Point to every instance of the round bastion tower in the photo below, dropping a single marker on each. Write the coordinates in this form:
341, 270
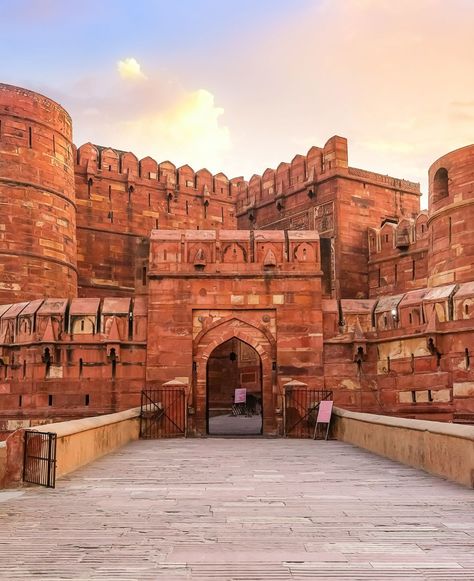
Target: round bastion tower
451, 221
37, 203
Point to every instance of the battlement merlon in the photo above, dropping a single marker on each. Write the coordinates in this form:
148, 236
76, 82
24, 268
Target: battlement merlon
95, 160
305, 172
234, 252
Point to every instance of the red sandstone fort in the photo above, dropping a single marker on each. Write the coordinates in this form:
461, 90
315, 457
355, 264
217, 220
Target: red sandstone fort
118, 274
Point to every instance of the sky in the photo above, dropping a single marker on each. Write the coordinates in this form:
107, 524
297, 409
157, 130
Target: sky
239, 85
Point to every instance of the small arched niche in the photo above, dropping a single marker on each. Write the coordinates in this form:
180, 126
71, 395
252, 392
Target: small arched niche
440, 185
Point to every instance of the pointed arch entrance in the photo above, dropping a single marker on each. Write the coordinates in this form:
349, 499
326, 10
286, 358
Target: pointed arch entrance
255, 337
234, 390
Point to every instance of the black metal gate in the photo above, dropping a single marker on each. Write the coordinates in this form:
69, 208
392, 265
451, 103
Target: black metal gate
301, 410
39, 461
163, 413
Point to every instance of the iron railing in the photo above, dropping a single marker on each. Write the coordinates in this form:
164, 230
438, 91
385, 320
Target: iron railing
163, 413
301, 409
39, 462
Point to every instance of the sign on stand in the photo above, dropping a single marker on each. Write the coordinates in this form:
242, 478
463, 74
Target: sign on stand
324, 417
240, 395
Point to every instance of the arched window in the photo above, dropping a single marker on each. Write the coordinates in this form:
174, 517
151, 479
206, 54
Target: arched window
440, 185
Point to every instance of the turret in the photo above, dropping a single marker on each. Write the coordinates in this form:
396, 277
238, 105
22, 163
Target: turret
38, 214
451, 217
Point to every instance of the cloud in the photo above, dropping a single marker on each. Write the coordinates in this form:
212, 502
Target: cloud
130, 68
392, 77
158, 117
189, 131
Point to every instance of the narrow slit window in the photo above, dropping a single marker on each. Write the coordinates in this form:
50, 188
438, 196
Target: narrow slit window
50, 400
30, 137
413, 397
47, 362
20, 401
144, 277
86, 399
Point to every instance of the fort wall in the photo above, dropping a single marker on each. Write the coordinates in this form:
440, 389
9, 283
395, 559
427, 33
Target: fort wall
321, 191
121, 199
329, 272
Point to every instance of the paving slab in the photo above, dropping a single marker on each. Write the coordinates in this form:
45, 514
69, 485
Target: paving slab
239, 509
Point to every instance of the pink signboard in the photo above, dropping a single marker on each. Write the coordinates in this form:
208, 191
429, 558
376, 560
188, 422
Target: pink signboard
324, 412
240, 395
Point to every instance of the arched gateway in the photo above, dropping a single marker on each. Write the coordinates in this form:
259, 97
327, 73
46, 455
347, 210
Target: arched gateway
206, 301
234, 390
250, 342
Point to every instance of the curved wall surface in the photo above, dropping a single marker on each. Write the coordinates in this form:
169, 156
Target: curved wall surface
451, 221
38, 247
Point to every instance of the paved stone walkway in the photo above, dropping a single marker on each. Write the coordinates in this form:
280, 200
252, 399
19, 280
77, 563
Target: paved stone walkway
235, 425
248, 509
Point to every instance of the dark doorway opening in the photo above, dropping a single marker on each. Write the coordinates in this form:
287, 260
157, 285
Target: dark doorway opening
234, 390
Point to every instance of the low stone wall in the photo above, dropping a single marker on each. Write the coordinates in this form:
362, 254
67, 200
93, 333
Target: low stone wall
442, 449
78, 443
82, 441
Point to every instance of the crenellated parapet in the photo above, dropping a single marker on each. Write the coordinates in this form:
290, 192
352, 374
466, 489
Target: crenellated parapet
94, 161
121, 199
303, 174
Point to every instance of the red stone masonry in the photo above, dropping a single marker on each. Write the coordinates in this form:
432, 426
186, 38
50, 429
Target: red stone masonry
37, 198
261, 287
321, 191
330, 273
121, 199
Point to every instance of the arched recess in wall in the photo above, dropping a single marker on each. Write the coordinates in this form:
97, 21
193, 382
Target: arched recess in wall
440, 185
